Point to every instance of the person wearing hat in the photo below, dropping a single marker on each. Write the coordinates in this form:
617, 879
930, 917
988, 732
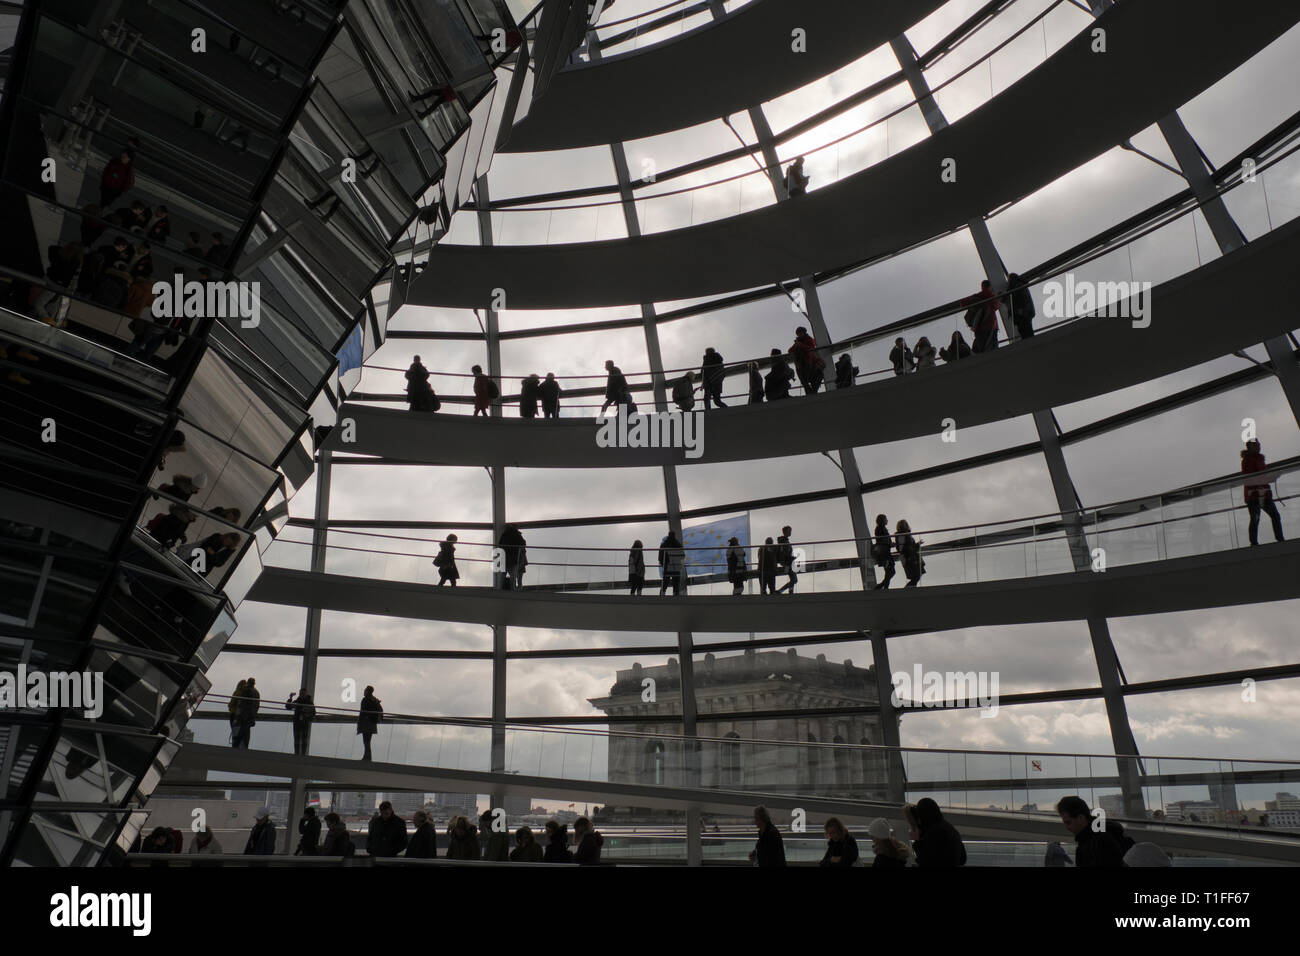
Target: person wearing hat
889, 852
1146, 854
185, 487
261, 839
841, 848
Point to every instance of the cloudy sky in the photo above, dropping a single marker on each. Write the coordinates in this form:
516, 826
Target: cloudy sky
1195, 443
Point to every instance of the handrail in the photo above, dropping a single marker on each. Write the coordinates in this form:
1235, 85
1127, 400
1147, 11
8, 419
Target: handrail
809, 152
1007, 525
1031, 278
487, 723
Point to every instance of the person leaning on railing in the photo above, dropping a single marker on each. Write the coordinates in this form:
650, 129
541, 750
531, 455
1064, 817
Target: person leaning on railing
1259, 496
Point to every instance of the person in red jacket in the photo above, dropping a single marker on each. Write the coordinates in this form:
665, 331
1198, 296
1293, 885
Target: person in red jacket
810, 367
982, 317
119, 176
1259, 497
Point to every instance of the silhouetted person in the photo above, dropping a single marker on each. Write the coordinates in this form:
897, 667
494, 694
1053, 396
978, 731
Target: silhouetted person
1020, 303
445, 562
770, 849
684, 392
616, 390
957, 348
589, 843
809, 365
672, 564
755, 384
158, 841
387, 834
419, 393
937, 841
909, 552
424, 841
515, 554
495, 844
372, 712
308, 834
889, 853
841, 848
304, 712
924, 353
796, 181
549, 390
529, 396
232, 708
712, 375
557, 843
485, 391
261, 838
217, 549
982, 318
767, 566
118, 177
1093, 848
776, 385
882, 551
338, 842
786, 560
635, 568
205, 843
845, 371
246, 714
527, 849
1259, 497
737, 567
901, 357
462, 840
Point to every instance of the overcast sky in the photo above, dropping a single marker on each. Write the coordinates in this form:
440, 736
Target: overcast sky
1192, 444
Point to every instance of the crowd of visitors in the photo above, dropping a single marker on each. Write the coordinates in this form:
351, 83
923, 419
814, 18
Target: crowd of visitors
932, 843
801, 361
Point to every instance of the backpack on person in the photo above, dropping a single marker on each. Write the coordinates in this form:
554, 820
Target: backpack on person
973, 315
493, 391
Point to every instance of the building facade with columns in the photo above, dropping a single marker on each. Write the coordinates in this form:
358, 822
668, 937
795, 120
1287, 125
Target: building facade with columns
788, 747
